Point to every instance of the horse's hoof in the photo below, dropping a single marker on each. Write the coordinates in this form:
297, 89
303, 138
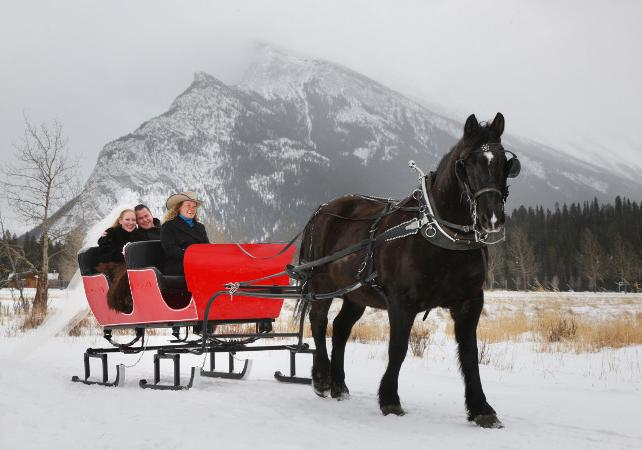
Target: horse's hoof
392, 409
340, 396
340, 392
321, 390
488, 421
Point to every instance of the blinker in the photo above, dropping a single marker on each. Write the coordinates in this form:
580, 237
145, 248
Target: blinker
513, 166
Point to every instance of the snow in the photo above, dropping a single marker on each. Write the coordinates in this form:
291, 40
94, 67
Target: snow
594, 183
364, 154
532, 167
558, 409
545, 400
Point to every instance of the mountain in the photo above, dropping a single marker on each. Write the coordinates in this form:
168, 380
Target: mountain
294, 133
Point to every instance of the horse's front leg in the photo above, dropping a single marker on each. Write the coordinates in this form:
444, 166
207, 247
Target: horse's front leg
400, 324
321, 363
466, 317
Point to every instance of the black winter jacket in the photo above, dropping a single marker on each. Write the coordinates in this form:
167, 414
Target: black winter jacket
153, 234
176, 235
110, 246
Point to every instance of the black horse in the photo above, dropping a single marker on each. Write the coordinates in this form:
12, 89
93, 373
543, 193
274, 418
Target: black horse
409, 271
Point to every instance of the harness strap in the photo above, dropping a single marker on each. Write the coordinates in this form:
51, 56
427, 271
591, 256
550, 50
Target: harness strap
488, 189
333, 257
434, 214
283, 250
366, 269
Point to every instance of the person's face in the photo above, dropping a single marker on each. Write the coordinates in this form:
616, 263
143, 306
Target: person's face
128, 221
144, 219
188, 209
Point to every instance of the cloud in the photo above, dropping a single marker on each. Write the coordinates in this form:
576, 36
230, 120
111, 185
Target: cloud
561, 72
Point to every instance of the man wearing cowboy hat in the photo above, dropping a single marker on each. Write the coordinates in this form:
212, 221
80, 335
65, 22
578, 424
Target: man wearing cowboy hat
180, 229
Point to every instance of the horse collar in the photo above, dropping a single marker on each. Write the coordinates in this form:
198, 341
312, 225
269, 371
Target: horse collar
441, 232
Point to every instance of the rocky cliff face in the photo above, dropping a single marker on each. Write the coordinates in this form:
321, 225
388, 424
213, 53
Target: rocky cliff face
295, 133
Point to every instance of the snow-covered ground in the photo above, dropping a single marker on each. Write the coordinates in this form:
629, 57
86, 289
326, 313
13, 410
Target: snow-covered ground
545, 400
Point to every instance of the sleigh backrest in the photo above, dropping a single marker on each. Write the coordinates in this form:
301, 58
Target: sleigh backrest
88, 260
139, 255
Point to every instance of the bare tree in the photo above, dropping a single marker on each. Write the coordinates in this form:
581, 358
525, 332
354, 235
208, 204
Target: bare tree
41, 181
495, 263
591, 258
522, 264
624, 260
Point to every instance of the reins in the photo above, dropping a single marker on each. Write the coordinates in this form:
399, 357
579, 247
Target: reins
395, 208
428, 223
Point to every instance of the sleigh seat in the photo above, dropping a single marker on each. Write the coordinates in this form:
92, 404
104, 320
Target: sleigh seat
88, 260
149, 255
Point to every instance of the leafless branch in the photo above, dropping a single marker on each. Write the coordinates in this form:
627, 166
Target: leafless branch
41, 181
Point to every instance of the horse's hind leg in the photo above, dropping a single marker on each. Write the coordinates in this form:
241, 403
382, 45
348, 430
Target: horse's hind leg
350, 313
466, 317
321, 363
400, 324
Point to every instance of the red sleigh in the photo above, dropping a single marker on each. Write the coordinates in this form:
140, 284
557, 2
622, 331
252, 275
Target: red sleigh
199, 302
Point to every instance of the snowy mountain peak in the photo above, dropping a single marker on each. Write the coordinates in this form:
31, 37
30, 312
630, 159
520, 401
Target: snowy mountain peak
274, 72
293, 134
206, 78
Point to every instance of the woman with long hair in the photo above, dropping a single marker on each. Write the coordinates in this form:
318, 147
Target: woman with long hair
112, 261
180, 229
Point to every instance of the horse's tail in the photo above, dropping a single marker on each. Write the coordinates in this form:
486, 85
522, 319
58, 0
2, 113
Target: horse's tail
306, 253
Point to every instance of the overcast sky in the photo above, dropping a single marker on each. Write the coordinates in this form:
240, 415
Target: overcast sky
566, 73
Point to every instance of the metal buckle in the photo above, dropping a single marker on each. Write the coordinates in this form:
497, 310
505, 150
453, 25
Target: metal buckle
429, 231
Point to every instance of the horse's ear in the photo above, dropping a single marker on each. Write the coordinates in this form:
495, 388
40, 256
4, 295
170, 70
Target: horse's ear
471, 125
498, 124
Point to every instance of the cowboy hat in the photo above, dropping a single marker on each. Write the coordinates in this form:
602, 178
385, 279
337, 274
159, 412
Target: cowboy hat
175, 199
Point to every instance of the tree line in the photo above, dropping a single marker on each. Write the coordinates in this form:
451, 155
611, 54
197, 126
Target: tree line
23, 256
584, 246
587, 246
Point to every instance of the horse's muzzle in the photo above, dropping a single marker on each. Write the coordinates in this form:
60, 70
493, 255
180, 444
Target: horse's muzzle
492, 223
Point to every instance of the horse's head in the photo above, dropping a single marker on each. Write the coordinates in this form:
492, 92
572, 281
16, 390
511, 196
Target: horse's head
482, 168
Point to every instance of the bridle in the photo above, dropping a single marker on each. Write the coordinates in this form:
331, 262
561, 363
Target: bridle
432, 223
462, 176
512, 170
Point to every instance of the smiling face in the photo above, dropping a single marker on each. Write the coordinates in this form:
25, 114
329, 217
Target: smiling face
144, 219
128, 221
188, 209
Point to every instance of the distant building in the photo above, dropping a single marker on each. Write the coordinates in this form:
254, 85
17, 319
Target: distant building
30, 280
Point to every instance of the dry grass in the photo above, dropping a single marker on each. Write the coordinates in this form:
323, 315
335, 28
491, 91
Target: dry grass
420, 336
554, 327
580, 335
503, 328
19, 314
364, 332
484, 352
367, 332
557, 330
32, 321
550, 331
